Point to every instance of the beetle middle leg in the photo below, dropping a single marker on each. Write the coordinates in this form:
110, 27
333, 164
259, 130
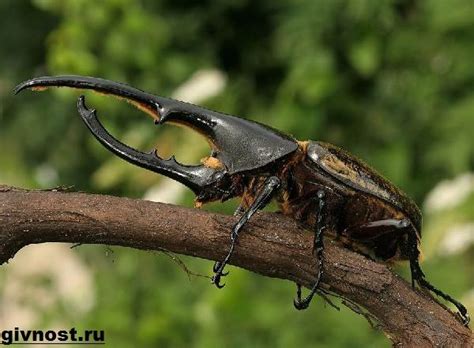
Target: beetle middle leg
260, 202
318, 247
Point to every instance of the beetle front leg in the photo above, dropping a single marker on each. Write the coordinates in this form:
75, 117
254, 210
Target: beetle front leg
260, 202
318, 247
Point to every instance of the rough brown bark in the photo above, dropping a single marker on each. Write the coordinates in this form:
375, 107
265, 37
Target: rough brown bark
272, 245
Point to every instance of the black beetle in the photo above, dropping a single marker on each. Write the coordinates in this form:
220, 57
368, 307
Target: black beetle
316, 183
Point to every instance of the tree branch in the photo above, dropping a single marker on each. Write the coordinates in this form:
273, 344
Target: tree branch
272, 245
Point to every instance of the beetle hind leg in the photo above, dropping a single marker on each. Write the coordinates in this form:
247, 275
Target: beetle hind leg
260, 202
318, 247
418, 276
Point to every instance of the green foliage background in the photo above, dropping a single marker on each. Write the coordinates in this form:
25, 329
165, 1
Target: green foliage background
391, 81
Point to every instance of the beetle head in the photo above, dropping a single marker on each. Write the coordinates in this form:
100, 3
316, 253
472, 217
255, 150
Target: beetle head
238, 145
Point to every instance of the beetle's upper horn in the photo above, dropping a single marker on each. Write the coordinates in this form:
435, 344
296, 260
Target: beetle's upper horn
237, 143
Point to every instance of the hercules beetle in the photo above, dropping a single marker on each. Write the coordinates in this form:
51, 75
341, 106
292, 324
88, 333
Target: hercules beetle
318, 184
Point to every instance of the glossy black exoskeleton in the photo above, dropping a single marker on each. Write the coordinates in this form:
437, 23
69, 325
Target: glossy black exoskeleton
318, 184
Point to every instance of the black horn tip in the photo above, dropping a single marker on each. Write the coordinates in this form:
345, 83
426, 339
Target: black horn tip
83, 109
39, 83
81, 103
22, 86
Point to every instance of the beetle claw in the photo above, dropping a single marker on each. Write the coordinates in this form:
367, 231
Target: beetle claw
216, 280
218, 269
300, 305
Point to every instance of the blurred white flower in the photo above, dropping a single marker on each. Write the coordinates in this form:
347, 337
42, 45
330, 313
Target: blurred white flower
167, 191
46, 175
457, 239
202, 85
43, 277
450, 193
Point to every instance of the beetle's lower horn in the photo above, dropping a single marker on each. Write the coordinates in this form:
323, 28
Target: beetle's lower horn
195, 177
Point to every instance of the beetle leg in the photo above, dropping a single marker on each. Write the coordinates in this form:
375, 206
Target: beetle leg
418, 276
318, 247
260, 202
